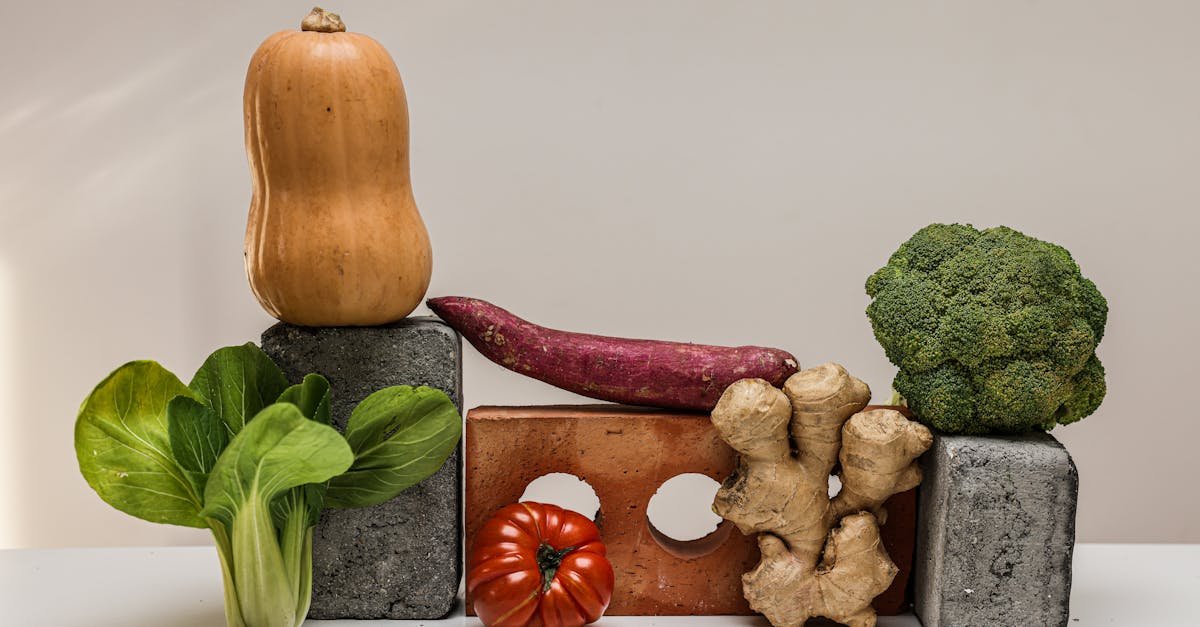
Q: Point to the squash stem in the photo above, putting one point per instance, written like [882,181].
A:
[322,21]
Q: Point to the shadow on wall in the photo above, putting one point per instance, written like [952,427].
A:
[9,477]
[831,138]
[115,246]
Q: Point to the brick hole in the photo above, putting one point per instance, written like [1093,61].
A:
[681,509]
[680,517]
[835,485]
[564,490]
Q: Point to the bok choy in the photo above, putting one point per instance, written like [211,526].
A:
[254,460]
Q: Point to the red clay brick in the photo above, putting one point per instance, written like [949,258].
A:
[899,535]
[625,454]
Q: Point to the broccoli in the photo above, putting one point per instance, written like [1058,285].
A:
[993,331]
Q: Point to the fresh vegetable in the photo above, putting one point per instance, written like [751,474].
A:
[254,460]
[333,236]
[638,372]
[993,331]
[535,564]
[821,556]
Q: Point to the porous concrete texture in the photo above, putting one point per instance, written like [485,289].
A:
[995,533]
[401,559]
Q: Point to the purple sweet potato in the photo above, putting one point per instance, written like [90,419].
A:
[637,372]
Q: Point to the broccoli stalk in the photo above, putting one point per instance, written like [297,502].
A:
[993,331]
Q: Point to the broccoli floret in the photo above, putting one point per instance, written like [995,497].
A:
[993,331]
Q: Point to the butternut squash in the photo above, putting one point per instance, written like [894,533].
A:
[333,236]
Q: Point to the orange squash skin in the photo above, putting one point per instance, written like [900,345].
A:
[333,236]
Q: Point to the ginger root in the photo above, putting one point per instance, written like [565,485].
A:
[820,556]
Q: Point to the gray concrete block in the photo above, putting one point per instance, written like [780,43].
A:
[995,531]
[401,559]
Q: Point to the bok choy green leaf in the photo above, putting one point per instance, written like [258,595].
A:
[254,460]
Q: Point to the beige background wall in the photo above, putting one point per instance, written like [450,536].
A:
[705,171]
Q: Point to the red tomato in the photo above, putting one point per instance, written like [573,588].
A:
[541,566]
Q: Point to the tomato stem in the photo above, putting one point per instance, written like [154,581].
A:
[549,559]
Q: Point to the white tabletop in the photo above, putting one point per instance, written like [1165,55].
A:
[1144,585]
